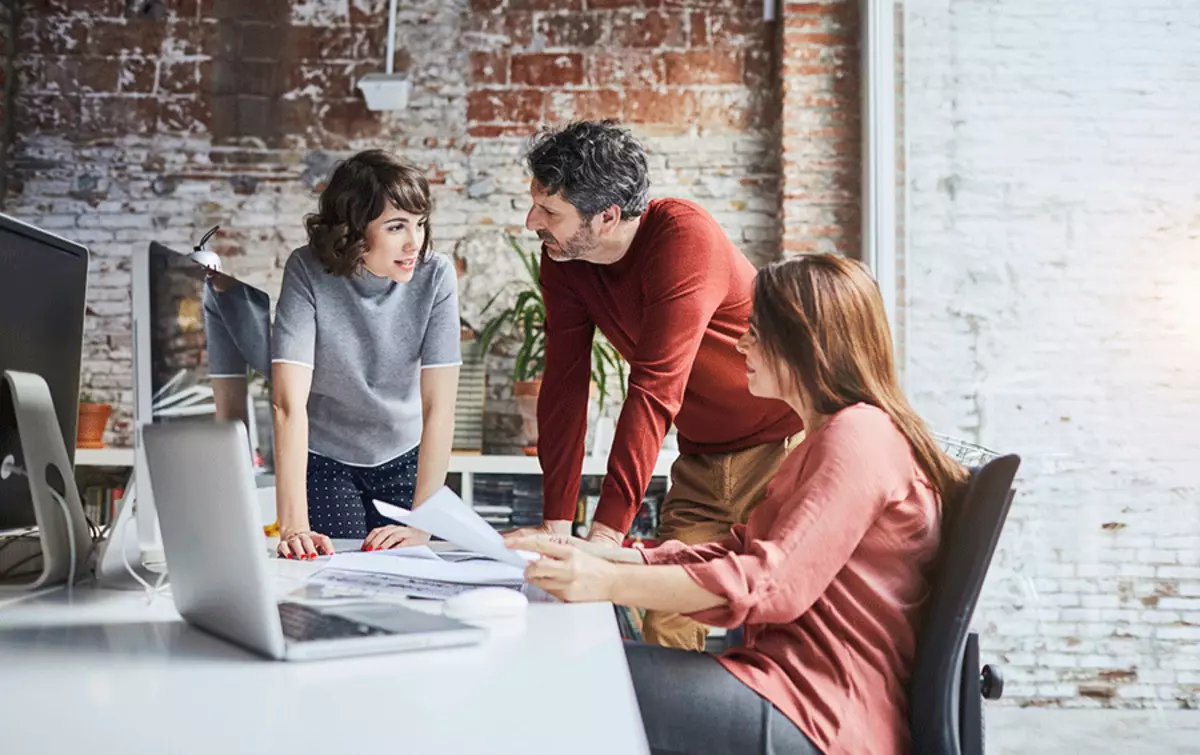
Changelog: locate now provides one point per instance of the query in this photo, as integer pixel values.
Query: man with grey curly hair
(662, 281)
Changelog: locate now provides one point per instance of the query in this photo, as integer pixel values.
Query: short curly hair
(595, 164)
(357, 193)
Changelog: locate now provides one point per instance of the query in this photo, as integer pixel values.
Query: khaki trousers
(709, 493)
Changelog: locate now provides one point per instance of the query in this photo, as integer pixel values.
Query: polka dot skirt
(339, 495)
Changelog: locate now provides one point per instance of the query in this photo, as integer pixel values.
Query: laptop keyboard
(303, 623)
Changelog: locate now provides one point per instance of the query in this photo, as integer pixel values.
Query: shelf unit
(104, 457)
(593, 466)
(467, 465)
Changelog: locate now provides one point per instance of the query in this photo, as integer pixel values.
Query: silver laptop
(216, 557)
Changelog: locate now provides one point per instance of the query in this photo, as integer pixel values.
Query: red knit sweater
(674, 307)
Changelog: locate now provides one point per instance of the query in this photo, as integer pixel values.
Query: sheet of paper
(411, 551)
(472, 572)
(445, 515)
(388, 586)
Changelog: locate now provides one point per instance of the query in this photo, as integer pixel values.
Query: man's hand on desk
(303, 544)
(559, 527)
(605, 535)
(394, 536)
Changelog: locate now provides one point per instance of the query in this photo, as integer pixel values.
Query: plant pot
(526, 393)
(93, 419)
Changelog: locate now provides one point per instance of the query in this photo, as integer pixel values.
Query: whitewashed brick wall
(1054, 311)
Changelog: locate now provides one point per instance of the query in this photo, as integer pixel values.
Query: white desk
(107, 673)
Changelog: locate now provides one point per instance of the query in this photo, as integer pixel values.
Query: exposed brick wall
(692, 65)
(232, 113)
(821, 144)
(1053, 271)
(7, 84)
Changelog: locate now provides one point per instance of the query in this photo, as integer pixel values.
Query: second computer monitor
(201, 353)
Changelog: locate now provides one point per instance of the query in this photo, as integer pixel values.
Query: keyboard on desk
(302, 623)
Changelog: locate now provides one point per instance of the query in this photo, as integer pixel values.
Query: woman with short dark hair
(365, 363)
(827, 576)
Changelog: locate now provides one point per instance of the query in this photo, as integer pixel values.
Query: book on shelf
(645, 523)
(100, 503)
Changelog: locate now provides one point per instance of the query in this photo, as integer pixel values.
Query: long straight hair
(822, 315)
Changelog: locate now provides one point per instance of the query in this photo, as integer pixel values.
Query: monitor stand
(121, 552)
(25, 402)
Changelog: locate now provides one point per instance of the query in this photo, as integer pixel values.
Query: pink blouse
(828, 576)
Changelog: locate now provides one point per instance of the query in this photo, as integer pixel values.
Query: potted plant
(525, 321)
(93, 419)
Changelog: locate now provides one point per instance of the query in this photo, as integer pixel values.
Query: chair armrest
(991, 682)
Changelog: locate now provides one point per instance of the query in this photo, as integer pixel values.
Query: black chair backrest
(970, 530)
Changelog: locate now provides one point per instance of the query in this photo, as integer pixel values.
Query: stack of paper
(476, 572)
(421, 571)
(446, 516)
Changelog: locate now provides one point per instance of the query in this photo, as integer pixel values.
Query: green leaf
(524, 320)
(526, 302)
(624, 377)
(493, 328)
(529, 259)
(492, 300)
(600, 372)
(605, 357)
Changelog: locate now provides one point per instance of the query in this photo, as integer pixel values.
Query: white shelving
(492, 464)
(104, 457)
(469, 466)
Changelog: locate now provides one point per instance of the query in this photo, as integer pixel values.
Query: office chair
(948, 685)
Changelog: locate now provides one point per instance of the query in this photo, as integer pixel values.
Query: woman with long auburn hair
(829, 573)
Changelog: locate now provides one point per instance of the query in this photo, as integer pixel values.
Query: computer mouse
(485, 603)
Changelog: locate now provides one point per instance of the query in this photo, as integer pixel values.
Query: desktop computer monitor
(201, 354)
(43, 292)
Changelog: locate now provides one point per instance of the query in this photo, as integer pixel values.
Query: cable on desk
(11, 571)
(70, 539)
(16, 536)
(151, 592)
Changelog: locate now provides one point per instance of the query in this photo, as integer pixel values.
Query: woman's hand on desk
(565, 570)
(394, 536)
(303, 544)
